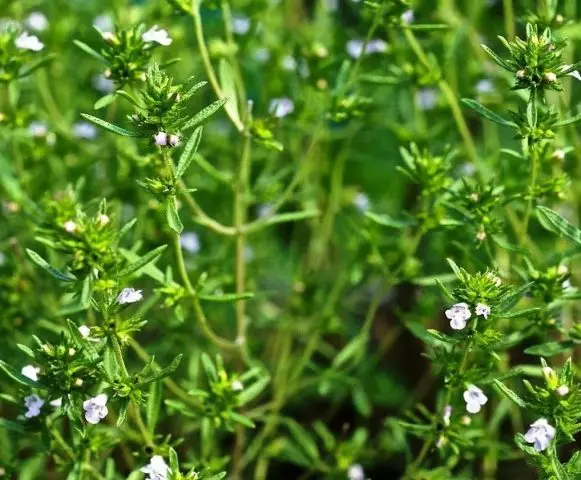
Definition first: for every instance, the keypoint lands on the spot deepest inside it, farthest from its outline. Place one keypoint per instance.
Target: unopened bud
(562, 390)
(70, 226)
(78, 382)
(103, 220)
(559, 154)
(174, 140)
(520, 74)
(550, 77)
(559, 19)
(466, 420)
(72, 351)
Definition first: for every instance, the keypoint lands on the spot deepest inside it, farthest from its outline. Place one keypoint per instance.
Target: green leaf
(23, 380)
(41, 262)
(164, 372)
(26, 350)
(303, 439)
(555, 223)
(90, 51)
(428, 336)
(32, 67)
(112, 128)
(172, 215)
(145, 260)
(549, 349)
(511, 394)
(456, 269)
(154, 405)
(150, 269)
(568, 121)
(486, 113)
(104, 101)
(189, 151)
(174, 463)
(242, 420)
(122, 414)
(209, 367)
(204, 114)
(10, 425)
(361, 400)
(354, 349)
(497, 59)
(386, 221)
(250, 393)
(228, 85)
(226, 297)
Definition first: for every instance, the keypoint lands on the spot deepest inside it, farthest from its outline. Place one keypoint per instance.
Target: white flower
(361, 202)
(84, 130)
(474, 398)
(520, 74)
(447, 414)
(550, 77)
(190, 242)
(57, 402)
(25, 41)
(485, 86)
(354, 48)
(356, 472)
(103, 219)
(289, 63)
(240, 24)
(70, 226)
(96, 408)
(157, 469)
(129, 295)
(173, 140)
(482, 310)
(567, 286)
(458, 315)
(559, 154)
(33, 403)
(237, 386)
(261, 55)
(264, 210)
(574, 73)
(31, 372)
(540, 434)
(84, 331)
(408, 16)
(160, 139)
(426, 98)
(376, 46)
(36, 21)
(154, 34)
(281, 107)
(37, 129)
(103, 84)
(562, 390)
(104, 22)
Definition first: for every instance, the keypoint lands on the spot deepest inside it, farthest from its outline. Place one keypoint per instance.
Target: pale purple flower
(262, 55)
(25, 41)
(264, 210)
(129, 295)
(407, 16)
(281, 107)
(103, 84)
(157, 35)
(36, 21)
(474, 398)
(376, 46)
(356, 472)
(96, 408)
(485, 86)
(37, 128)
(190, 242)
(85, 130)
(355, 47)
(240, 24)
(482, 310)
(447, 414)
(157, 469)
(31, 372)
(33, 403)
(458, 315)
(540, 434)
(288, 63)
(361, 202)
(426, 98)
(70, 226)
(104, 22)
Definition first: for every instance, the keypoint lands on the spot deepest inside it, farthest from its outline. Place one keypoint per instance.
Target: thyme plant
(281, 239)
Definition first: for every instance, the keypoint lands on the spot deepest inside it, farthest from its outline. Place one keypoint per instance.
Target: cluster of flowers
(459, 314)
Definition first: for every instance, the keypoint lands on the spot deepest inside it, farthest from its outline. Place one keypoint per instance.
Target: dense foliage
(283, 239)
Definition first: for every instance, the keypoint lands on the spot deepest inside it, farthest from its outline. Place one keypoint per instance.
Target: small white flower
(103, 84)
(354, 48)
(520, 74)
(562, 390)
(190, 242)
(447, 414)
(261, 55)
(407, 16)
(25, 41)
(31, 372)
(157, 469)
(161, 139)
(376, 46)
(129, 295)
(85, 130)
(56, 403)
(103, 22)
(281, 107)
(574, 73)
(155, 34)
(482, 310)
(361, 202)
(485, 86)
(481, 235)
(33, 403)
(240, 24)
(70, 226)
(173, 140)
(474, 398)
(540, 434)
(264, 210)
(550, 77)
(37, 129)
(96, 408)
(559, 154)
(426, 98)
(458, 315)
(103, 219)
(36, 21)
(237, 386)
(289, 63)
(84, 331)
(356, 472)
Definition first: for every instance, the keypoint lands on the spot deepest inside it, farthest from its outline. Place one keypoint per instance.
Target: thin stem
(201, 217)
(534, 154)
(508, 9)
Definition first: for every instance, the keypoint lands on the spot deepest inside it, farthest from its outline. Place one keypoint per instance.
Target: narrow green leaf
(89, 50)
(32, 67)
(549, 349)
(555, 223)
(10, 425)
(486, 113)
(228, 85)
(354, 349)
(122, 418)
(189, 151)
(253, 391)
(26, 350)
(112, 128)
(172, 215)
(204, 114)
(154, 405)
(242, 420)
(386, 221)
(497, 59)
(23, 380)
(304, 440)
(104, 101)
(146, 259)
(569, 121)
(226, 297)
(164, 372)
(41, 262)
(209, 367)
(510, 394)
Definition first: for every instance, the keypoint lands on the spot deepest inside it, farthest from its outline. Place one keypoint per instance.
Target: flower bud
(78, 382)
(550, 377)
(72, 351)
(466, 420)
(562, 390)
(520, 74)
(103, 220)
(550, 77)
(559, 154)
(559, 19)
(174, 140)
(70, 226)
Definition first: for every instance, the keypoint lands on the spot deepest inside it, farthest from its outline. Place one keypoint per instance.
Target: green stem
(534, 154)
(508, 11)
